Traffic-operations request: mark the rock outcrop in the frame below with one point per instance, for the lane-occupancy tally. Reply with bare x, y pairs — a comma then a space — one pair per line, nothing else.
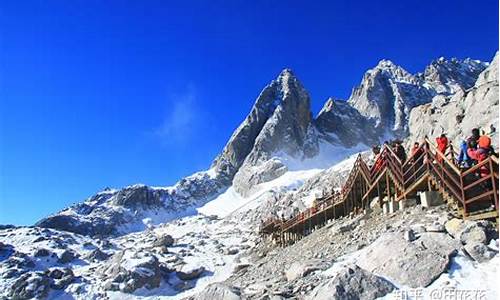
456, 114
352, 282
414, 263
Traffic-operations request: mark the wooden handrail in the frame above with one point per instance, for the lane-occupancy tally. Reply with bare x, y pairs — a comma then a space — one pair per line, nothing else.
476, 182
444, 173
475, 167
437, 152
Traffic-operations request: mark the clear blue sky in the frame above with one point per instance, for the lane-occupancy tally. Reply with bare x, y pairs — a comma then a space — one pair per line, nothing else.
112, 93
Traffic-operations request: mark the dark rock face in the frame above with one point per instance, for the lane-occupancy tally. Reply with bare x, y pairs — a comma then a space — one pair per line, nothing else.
41, 252
342, 124
280, 114
142, 196
77, 225
352, 282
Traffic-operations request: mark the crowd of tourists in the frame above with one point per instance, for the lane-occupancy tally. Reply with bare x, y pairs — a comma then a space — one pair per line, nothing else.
473, 150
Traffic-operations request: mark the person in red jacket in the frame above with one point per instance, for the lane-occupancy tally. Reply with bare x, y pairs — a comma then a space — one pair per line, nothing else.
481, 153
442, 144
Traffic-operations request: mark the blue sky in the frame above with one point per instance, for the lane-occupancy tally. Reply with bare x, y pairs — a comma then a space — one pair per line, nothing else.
112, 93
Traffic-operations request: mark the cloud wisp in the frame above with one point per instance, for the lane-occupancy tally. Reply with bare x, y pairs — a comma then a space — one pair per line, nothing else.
183, 119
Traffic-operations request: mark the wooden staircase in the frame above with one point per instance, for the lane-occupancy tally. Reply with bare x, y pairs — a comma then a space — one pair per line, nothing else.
467, 194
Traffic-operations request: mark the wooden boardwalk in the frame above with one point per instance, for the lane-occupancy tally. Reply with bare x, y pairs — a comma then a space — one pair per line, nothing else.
465, 191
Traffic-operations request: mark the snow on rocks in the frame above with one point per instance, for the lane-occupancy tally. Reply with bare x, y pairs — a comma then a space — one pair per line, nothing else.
414, 263
351, 282
129, 270
217, 291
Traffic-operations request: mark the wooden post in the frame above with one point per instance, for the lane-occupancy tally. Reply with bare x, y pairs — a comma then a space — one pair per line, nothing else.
493, 185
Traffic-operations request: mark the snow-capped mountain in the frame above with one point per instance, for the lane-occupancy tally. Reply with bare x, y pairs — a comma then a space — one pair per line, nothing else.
143, 241
279, 135
388, 92
475, 106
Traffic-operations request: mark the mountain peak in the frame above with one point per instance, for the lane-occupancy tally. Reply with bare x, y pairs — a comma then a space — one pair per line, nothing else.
385, 63
287, 72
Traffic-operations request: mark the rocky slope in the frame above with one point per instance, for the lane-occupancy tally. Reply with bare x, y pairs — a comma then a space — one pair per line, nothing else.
388, 92
457, 114
172, 242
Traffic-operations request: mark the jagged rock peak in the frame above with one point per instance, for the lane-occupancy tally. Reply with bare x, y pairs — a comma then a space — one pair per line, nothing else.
449, 76
283, 99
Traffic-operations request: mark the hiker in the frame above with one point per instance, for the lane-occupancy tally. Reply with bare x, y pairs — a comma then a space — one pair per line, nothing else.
416, 152
463, 160
481, 153
400, 151
442, 144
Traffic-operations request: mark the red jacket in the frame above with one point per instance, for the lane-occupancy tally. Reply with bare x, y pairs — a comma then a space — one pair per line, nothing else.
480, 154
442, 143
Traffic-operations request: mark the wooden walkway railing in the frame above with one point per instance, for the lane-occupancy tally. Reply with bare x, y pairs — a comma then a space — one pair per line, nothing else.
473, 193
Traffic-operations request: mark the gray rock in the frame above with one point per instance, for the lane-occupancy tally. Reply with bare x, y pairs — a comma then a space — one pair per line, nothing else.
30, 285
67, 256
352, 282
300, 269
471, 231
41, 252
133, 270
61, 278
481, 231
409, 235
435, 228
97, 255
414, 264
217, 291
190, 273
231, 251
479, 251
456, 114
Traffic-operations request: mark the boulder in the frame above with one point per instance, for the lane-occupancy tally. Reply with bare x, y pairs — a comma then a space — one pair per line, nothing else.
130, 270
97, 255
67, 256
61, 278
409, 235
479, 251
231, 251
351, 282
471, 231
218, 291
412, 263
164, 241
41, 252
32, 285
300, 269
481, 231
189, 273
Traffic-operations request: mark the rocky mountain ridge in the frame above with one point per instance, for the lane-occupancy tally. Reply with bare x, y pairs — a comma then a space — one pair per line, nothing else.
191, 240
278, 135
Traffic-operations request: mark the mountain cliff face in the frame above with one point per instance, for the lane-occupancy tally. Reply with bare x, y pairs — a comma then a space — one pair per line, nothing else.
149, 242
387, 92
341, 123
280, 134
456, 114
279, 119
